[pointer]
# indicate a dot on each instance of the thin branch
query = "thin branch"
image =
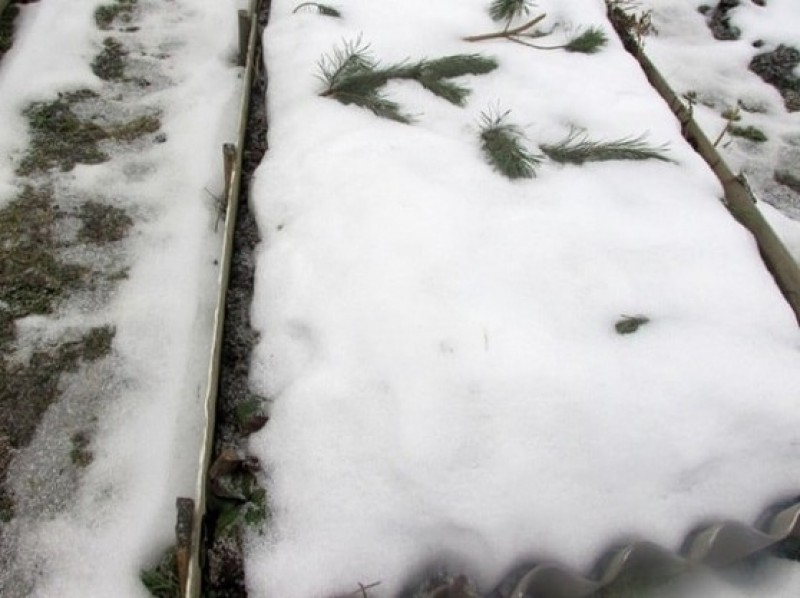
(506, 33)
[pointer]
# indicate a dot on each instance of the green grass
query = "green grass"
(109, 64)
(103, 224)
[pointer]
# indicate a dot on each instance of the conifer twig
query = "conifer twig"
(352, 76)
(506, 33)
(588, 42)
(502, 144)
(322, 9)
(577, 148)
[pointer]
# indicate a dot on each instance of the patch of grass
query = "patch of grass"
(109, 64)
(28, 389)
(133, 129)
(103, 224)
(59, 138)
(7, 18)
(34, 278)
(162, 580)
(749, 132)
(79, 454)
(106, 14)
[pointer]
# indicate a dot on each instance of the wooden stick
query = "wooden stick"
(506, 33)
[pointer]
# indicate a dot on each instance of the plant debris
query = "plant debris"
(630, 324)
(502, 144)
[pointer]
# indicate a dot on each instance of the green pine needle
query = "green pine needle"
(459, 65)
(590, 41)
(502, 144)
(322, 9)
(577, 148)
(508, 10)
(352, 76)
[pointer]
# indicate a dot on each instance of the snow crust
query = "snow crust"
(439, 344)
(149, 428)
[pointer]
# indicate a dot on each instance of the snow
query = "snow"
(148, 419)
(439, 343)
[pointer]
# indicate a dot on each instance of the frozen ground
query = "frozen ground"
(439, 343)
(94, 489)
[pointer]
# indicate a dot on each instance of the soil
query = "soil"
(239, 411)
(719, 20)
(777, 68)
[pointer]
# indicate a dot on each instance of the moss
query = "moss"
(7, 327)
(34, 278)
(138, 127)
(750, 132)
(103, 224)
(79, 454)
(7, 19)
(109, 64)
(59, 138)
(162, 580)
(28, 389)
(106, 14)
(97, 343)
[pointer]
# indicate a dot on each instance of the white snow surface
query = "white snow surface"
(149, 430)
(439, 342)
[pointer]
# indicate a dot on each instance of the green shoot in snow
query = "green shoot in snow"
(502, 144)
(577, 148)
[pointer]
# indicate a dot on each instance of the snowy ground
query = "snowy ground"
(439, 343)
(95, 488)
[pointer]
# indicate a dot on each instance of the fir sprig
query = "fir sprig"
(352, 76)
(508, 10)
(588, 42)
(323, 9)
(577, 148)
(503, 145)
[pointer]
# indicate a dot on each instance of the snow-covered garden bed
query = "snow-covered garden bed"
(469, 371)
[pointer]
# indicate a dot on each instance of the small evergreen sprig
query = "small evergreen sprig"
(352, 76)
(323, 9)
(577, 148)
(502, 144)
(508, 10)
(590, 41)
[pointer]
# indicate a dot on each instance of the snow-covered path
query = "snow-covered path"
(439, 343)
(94, 490)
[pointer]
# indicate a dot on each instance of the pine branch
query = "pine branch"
(588, 42)
(352, 76)
(322, 9)
(459, 65)
(508, 10)
(502, 144)
(506, 33)
(577, 148)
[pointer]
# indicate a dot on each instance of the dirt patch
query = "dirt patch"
(719, 20)
(28, 388)
(136, 128)
(34, 277)
(7, 19)
(109, 64)
(106, 15)
(59, 137)
(777, 69)
(103, 224)
(239, 411)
